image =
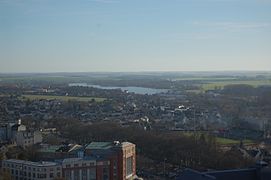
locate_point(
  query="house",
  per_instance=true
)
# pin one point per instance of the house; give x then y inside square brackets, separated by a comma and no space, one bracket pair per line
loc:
[28,138]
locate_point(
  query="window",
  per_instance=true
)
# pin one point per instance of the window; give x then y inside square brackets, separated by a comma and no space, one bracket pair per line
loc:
[42,176]
[92,173]
[129,166]
[115,165]
[68,174]
[84,174]
[91,164]
[105,173]
[51,175]
[76,174]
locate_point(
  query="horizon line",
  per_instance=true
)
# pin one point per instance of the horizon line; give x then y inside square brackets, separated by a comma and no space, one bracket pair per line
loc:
[144,71]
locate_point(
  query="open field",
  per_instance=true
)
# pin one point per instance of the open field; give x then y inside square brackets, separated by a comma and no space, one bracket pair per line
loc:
[226,141]
[207,78]
[222,141]
[222,84]
[62,98]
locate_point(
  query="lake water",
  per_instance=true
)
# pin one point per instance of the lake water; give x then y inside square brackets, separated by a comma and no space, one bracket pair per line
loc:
[132,89]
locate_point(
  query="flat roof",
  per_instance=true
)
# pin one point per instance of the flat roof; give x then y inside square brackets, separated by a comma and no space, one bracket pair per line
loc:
[30,163]
[70,160]
[106,145]
[99,145]
[126,144]
[52,149]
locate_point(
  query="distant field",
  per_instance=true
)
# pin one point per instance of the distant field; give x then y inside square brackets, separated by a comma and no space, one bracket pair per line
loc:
[226,141]
[63,98]
[55,79]
[204,79]
[222,84]
[223,141]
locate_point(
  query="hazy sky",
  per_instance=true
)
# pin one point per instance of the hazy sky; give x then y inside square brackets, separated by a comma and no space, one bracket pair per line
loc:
[134,35]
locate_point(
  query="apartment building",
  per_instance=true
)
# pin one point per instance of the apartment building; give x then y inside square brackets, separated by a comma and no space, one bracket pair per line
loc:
[98,160]
[21,170]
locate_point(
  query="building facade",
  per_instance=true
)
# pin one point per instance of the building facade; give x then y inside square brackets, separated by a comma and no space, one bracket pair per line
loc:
[16,133]
[99,161]
[121,156]
[21,170]
[28,138]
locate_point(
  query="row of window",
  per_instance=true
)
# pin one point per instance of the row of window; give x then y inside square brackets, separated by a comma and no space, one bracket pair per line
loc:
[76,174]
[31,175]
[78,165]
[16,166]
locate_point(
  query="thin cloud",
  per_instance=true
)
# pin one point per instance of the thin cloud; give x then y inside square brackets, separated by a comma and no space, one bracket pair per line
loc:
[234,26]
[105,1]
[192,36]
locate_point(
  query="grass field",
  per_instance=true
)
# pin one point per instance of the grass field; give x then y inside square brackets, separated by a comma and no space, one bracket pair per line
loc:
[221,84]
[63,98]
[207,78]
[226,141]
[223,141]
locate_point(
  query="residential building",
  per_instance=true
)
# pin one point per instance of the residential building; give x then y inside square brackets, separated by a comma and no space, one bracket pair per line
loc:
[87,168]
[18,134]
[20,169]
[28,138]
[52,152]
[122,157]
[97,160]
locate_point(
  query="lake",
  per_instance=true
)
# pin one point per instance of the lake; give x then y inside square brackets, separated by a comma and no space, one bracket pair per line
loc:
[132,89]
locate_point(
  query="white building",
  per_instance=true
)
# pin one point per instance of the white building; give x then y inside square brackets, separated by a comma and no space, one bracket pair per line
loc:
[20,169]
[28,138]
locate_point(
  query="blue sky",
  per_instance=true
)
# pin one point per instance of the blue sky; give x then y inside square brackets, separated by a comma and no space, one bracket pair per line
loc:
[134,35]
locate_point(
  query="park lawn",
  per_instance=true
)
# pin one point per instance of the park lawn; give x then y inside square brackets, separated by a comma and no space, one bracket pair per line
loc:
[223,141]
[63,98]
[227,141]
